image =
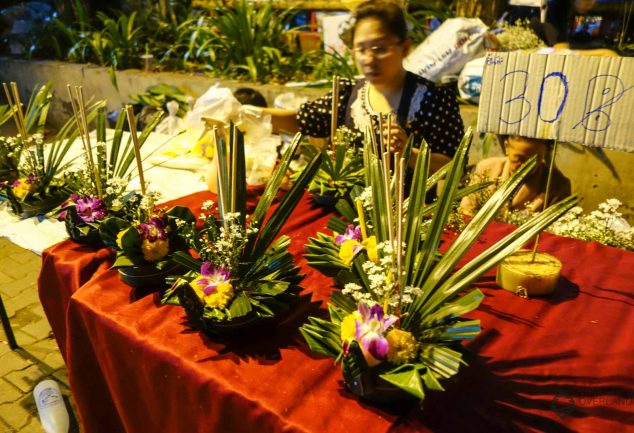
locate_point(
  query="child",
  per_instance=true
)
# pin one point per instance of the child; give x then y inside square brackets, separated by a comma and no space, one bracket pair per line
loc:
[531,192]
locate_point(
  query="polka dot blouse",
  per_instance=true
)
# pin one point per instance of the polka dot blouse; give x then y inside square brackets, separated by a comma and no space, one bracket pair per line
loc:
[426,110]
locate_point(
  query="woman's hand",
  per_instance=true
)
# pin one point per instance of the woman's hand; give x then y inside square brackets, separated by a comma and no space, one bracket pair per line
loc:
[397,137]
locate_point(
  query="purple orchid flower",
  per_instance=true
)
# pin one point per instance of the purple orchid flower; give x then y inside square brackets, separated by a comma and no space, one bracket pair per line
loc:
[152,230]
[213,276]
[369,331]
[352,234]
[90,209]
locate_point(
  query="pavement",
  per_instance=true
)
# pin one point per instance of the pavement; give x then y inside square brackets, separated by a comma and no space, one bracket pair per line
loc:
[38,357]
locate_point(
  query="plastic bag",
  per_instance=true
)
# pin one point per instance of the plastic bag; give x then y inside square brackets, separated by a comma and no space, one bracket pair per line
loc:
[217,102]
[448,49]
[470,80]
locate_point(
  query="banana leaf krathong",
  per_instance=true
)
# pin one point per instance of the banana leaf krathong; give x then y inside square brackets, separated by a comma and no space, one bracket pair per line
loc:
[397,323]
[42,182]
[103,183]
[341,169]
[243,274]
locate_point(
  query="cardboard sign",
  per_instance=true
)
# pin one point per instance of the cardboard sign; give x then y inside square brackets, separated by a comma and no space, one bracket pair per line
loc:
[578,99]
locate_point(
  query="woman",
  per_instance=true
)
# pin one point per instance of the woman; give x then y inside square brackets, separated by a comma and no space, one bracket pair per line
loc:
[417,106]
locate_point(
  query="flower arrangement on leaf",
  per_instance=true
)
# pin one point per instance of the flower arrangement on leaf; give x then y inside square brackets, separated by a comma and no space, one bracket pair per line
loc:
[101,185]
[341,168]
[34,177]
[396,327]
[146,239]
[243,273]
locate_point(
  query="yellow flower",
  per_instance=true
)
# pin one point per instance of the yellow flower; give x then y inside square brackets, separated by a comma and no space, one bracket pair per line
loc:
[349,326]
[219,298]
[348,250]
[403,346]
[370,246]
[120,237]
[154,251]
[21,188]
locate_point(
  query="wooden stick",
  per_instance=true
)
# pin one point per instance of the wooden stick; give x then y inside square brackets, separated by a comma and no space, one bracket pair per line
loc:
[388,199]
[14,112]
[18,104]
[137,147]
[82,113]
[334,114]
[546,193]
[234,167]
[399,167]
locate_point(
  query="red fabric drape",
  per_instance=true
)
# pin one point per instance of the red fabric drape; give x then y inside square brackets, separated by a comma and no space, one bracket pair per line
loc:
[557,364]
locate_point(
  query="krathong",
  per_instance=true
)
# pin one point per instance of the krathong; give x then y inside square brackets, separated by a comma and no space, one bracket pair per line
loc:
[396,326]
[244,274]
[341,168]
[33,173]
[105,174]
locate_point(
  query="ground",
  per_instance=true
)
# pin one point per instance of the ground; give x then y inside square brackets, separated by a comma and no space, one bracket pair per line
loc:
[38,357]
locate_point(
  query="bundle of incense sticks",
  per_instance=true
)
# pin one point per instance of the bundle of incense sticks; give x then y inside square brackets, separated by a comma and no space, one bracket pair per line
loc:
[79,112]
[15,105]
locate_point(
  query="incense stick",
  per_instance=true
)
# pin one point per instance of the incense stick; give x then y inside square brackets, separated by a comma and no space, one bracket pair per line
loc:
[399,167]
[82,112]
[18,104]
[334,115]
[14,110]
[234,167]
[137,147]
[388,198]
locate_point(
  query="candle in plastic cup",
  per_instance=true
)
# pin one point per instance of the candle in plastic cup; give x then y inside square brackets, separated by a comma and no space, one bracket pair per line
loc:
[51,407]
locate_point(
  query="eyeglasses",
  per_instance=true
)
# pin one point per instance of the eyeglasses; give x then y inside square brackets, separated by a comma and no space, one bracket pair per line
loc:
[377,51]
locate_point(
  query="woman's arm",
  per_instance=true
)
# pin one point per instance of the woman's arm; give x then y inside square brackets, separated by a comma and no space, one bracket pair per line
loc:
[283,120]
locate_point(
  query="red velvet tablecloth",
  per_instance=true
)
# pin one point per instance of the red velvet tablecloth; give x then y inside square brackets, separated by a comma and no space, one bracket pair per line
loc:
[559,364]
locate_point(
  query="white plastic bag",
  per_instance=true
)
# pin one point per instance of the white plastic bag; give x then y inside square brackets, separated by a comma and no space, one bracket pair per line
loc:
[448,49]
[470,80]
[217,102]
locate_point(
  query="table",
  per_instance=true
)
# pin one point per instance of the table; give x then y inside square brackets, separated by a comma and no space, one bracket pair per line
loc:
[558,364]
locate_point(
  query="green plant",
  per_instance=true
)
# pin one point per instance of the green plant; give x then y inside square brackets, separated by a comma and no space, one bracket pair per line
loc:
[425,13]
[398,317]
[159,95]
[325,65]
[252,38]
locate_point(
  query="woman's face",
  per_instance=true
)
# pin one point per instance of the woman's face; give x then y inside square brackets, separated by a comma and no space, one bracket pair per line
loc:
[378,53]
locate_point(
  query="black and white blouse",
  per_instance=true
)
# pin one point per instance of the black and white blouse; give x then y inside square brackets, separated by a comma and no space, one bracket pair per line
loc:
[426,110]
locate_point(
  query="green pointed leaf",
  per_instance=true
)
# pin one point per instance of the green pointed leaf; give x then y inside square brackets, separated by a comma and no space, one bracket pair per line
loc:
[408,379]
